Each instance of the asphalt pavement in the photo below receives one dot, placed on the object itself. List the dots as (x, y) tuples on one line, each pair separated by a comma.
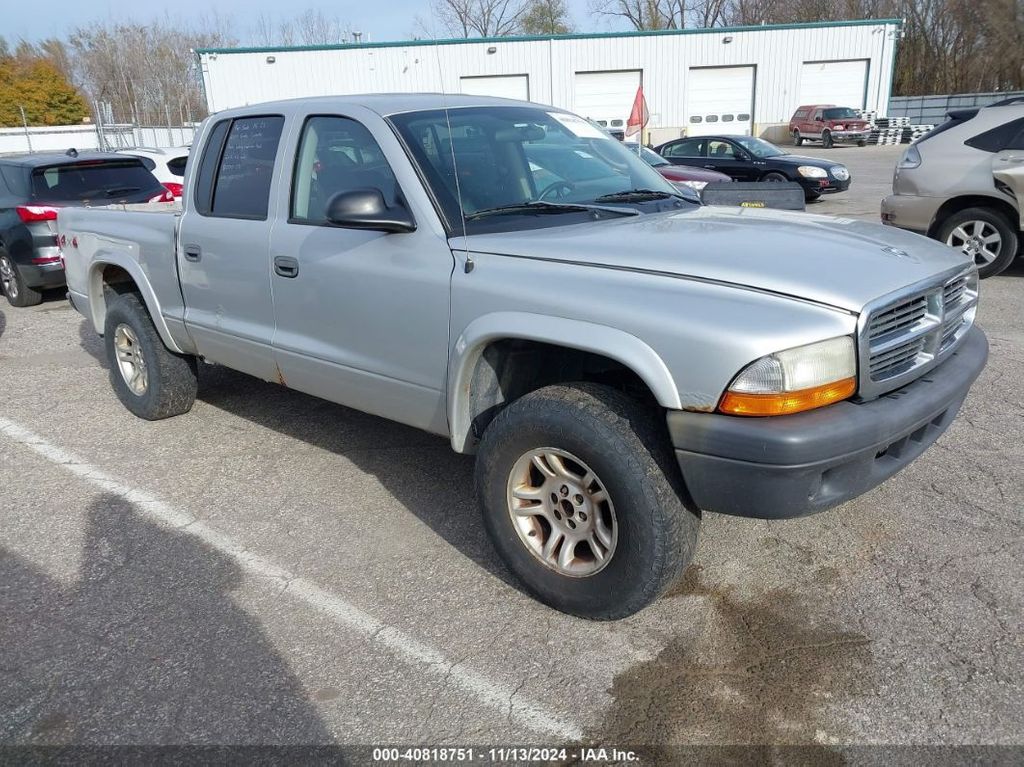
[(271, 568)]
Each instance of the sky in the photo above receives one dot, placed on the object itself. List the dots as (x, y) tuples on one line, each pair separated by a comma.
[(382, 21)]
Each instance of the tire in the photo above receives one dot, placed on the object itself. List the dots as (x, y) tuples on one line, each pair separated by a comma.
[(812, 196), (797, 138), (826, 139), (13, 286), (653, 535), (774, 176), (981, 223), (169, 381), (862, 143)]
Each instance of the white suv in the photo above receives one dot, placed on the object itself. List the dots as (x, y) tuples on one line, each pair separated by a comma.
[(963, 184)]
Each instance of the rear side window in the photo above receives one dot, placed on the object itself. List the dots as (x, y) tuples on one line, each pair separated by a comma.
[(689, 148), (177, 166), (998, 138), (242, 187), (1017, 142), (95, 181)]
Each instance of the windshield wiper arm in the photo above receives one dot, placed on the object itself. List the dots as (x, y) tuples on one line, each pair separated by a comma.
[(638, 195), (542, 206), (120, 190)]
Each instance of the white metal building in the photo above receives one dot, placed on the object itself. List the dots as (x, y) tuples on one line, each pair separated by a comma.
[(724, 80)]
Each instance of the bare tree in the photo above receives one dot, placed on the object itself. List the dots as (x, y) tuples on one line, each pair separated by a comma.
[(644, 14), (475, 18)]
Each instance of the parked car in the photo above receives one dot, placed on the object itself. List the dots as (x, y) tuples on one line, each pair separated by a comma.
[(963, 184), (618, 358), (168, 165), (33, 187), (680, 175), (829, 124), (746, 158)]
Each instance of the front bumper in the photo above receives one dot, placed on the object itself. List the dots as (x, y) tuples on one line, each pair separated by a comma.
[(791, 466), (849, 135), (824, 185)]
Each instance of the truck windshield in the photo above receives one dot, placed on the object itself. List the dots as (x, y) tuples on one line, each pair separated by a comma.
[(840, 113), (95, 181), (486, 158)]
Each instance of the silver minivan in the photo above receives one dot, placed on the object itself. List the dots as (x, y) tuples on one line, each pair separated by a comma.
[(963, 184)]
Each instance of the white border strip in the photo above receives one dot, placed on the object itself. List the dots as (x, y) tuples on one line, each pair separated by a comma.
[(494, 694)]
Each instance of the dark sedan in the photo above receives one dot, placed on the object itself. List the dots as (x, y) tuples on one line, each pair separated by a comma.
[(680, 175), (746, 158)]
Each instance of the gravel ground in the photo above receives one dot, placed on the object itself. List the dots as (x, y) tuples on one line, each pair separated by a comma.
[(270, 568)]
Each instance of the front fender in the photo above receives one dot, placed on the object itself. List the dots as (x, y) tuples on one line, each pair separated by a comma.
[(558, 331), (98, 298)]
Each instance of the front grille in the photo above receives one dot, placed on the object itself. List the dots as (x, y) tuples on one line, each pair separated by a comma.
[(910, 333)]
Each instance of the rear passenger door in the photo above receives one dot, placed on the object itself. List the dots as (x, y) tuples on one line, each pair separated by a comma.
[(687, 151), (224, 242), (1008, 168)]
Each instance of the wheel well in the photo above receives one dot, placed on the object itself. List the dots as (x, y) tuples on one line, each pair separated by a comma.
[(957, 204), (116, 279), (509, 368), (107, 282)]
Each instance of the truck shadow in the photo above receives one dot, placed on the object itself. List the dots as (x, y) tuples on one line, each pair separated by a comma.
[(419, 470), (146, 646)]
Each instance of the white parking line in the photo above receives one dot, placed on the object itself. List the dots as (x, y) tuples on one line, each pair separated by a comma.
[(494, 694)]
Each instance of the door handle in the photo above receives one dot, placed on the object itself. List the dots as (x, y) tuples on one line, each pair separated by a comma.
[(193, 253), (286, 266)]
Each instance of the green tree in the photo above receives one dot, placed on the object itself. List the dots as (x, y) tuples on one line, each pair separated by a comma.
[(546, 17), (32, 81)]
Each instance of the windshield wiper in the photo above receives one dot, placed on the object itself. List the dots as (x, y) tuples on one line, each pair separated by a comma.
[(542, 206), (120, 190), (638, 195)]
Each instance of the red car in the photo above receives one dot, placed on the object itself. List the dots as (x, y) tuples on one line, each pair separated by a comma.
[(828, 124), (680, 175)]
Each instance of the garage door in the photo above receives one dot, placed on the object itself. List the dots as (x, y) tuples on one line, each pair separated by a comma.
[(719, 100), (606, 97), (843, 83), (503, 86)]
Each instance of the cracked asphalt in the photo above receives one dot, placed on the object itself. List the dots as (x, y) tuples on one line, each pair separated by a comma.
[(270, 568)]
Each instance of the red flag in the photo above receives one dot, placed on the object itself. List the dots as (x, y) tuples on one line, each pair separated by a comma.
[(638, 117)]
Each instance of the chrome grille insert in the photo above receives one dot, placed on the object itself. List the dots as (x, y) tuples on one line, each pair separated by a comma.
[(904, 335)]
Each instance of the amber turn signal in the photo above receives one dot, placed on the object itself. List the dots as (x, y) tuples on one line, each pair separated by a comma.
[(738, 403)]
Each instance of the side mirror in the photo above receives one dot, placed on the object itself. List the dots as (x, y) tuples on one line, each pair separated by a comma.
[(366, 209)]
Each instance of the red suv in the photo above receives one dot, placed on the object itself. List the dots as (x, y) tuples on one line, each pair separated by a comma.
[(828, 124)]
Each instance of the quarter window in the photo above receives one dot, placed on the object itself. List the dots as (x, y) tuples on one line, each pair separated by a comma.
[(336, 154), (246, 168)]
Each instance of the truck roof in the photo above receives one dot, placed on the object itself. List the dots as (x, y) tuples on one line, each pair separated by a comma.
[(392, 103), (40, 159)]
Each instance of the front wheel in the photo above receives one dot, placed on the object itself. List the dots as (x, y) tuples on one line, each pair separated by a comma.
[(862, 143), (13, 285), (582, 499), (774, 176), (983, 235), (797, 138), (826, 139), (149, 379)]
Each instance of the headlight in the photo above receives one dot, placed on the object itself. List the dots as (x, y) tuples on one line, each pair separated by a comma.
[(910, 159), (840, 127), (809, 171), (694, 185), (840, 172), (793, 380)]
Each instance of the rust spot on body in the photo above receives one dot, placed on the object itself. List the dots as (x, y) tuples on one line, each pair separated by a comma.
[(280, 376)]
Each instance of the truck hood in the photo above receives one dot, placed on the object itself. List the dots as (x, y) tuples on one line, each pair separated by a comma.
[(839, 262)]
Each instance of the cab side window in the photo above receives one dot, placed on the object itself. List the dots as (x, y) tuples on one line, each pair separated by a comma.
[(246, 168), (336, 154)]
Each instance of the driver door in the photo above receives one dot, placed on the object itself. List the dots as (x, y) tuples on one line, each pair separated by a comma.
[(726, 157)]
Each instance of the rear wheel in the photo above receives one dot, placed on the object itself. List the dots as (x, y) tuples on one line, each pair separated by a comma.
[(984, 235), (797, 138), (581, 497), (826, 139), (13, 285), (149, 379)]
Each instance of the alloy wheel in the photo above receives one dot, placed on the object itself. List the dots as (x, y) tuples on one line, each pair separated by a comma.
[(977, 239), (562, 512), (130, 361), (8, 279)]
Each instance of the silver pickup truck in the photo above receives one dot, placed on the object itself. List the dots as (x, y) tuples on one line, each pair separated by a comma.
[(503, 274)]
